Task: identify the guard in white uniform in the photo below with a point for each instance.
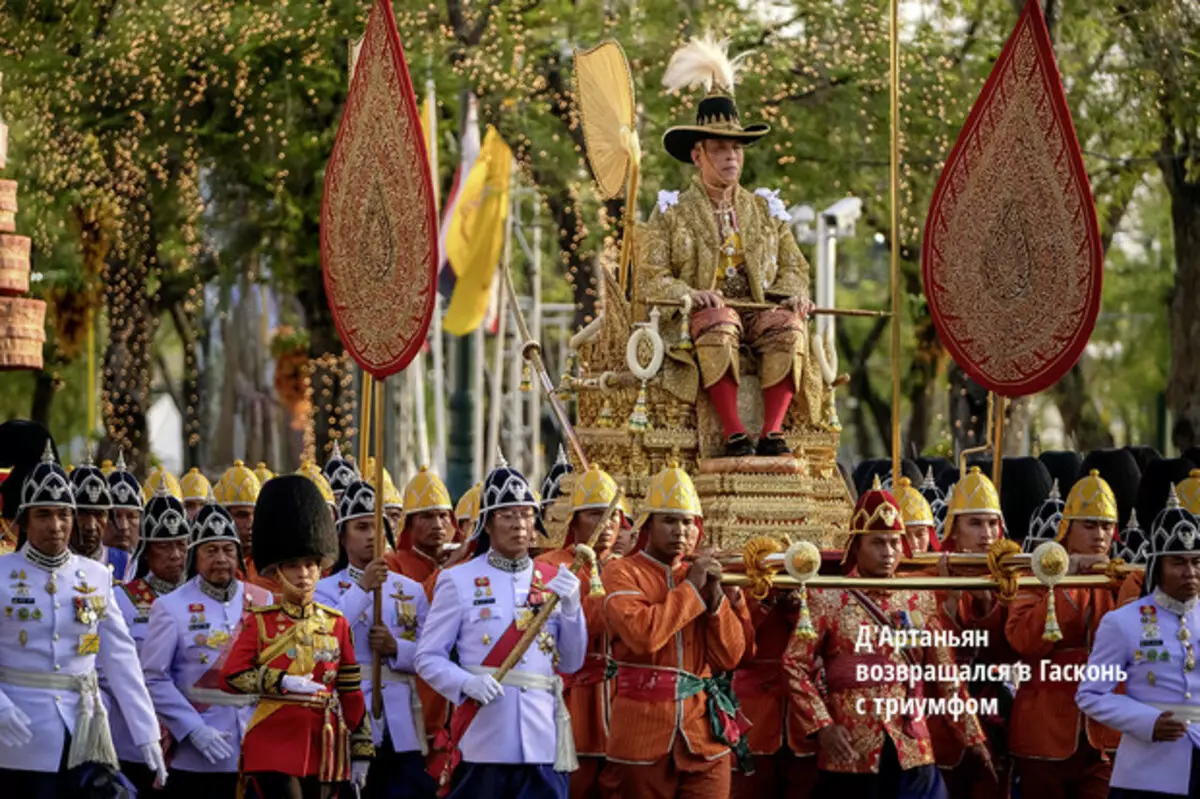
(520, 744)
(188, 630)
(159, 569)
(398, 770)
(124, 521)
(59, 625)
(1154, 641)
(93, 504)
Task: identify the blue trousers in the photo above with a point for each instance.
(509, 781)
(398, 775)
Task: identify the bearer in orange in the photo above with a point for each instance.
(1058, 751)
(872, 733)
(310, 730)
(427, 526)
(674, 627)
(587, 690)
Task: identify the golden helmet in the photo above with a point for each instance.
(160, 476)
(313, 472)
(595, 488)
(671, 491)
(914, 508)
(1189, 492)
(238, 487)
(195, 485)
(426, 491)
(467, 508)
(973, 494)
(1091, 499)
(263, 473)
(391, 495)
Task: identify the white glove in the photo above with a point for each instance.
(294, 684)
(212, 743)
(358, 773)
(566, 585)
(152, 754)
(14, 727)
(483, 688)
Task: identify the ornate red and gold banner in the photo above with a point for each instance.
(1012, 260)
(378, 215)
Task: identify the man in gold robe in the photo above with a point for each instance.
(716, 241)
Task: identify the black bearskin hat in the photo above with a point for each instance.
(291, 520)
(22, 443)
(1157, 481)
(946, 479)
(866, 472)
(1024, 484)
(1119, 469)
(1065, 466)
(938, 464)
(1144, 456)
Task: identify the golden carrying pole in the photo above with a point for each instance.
(364, 418)
(377, 661)
(744, 305)
(961, 582)
(894, 60)
(1000, 404)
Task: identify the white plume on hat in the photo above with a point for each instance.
(703, 62)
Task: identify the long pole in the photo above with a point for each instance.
(501, 330)
(364, 421)
(477, 419)
(894, 70)
(91, 372)
(437, 350)
(998, 441)
(377, 662)
(535, 315)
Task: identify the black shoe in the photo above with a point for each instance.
(773, 444)
(738, 445)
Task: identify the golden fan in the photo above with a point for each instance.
(604, 87)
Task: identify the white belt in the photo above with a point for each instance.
(218, 698)
(414, 703)
(92, 739)
(564, 749)
(1187, 713)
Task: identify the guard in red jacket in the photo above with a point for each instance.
(310, 730)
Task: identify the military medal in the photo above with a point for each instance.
(201, 639)
(23, 614)
(89, 644)
(1150, 678)
(487, 639)
(51, 586)
(23, 637)
(36, 615)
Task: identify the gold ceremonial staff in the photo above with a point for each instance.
(743, 305)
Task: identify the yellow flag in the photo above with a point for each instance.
(475, 237)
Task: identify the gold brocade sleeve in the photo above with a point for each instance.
(807, 709)
(660, 279)
(259, 680)
(793, 276)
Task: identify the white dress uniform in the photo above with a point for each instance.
(188, 629)
(60, 625)
(404, 611)
(331, 589)
(473, 604)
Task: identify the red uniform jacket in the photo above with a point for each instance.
(291, 733)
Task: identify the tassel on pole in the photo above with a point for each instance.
(639, 420)
(804, 626)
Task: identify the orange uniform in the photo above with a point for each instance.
(588, 692)
(1131, 588)
(1053, 742)
(667, 646)
(784, 762)
(969, 778)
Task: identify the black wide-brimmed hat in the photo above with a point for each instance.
(291, 521)
(705, 63)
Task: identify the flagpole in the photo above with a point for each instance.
(535, 291)
(477, 421)
(501, 330)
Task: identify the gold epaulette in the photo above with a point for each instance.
(328, 610)
(264, 608)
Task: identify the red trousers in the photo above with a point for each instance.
(594, 779)
(679, 775)
(778, 776)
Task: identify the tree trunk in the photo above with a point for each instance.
(1183, 382)
(43, 397)
(1081, 419)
